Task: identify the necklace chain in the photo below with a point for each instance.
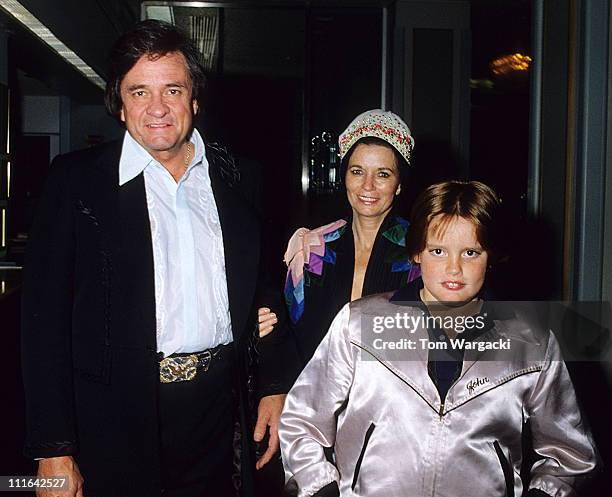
(187, 155)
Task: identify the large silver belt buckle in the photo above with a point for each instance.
(182, 368)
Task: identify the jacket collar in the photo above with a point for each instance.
(485, 369)
(135, 159)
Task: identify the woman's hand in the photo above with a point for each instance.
(266, 320)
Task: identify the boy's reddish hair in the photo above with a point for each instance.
(470, 200)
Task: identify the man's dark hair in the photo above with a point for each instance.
(154, 39)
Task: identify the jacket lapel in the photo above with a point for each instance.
(133, 277)
(137, 258)
(240, 244)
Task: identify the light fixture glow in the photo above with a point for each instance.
(8, 179)
(510, 63)
(25, 17)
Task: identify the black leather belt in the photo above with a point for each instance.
(185, 367)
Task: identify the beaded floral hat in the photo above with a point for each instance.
(380, 124)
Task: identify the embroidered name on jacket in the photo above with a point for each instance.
(475, 383)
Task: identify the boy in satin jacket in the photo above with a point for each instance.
(426, 391)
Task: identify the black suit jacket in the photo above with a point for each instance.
(89, 343)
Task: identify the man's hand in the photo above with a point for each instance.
(266, 320)
(64, 466)
(268, 415)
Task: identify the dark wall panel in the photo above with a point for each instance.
(433, 84)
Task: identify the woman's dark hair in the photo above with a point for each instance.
(400, 162)
(470, 200)
(154, 39)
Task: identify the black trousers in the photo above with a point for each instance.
(197, 428)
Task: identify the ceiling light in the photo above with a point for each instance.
(25, 17)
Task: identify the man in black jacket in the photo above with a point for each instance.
(138, 296)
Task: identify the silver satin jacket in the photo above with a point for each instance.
(392, 437)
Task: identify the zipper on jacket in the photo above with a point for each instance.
(438, 430)
(506, 469)
(361, 454)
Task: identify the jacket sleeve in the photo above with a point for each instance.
(278, 360)
(46, 322)
(560, 436)
(308, 422)
(275, 359)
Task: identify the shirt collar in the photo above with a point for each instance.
(135, 159)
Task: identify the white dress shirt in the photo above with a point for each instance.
(192, 308)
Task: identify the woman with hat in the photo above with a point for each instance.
(357, 256)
